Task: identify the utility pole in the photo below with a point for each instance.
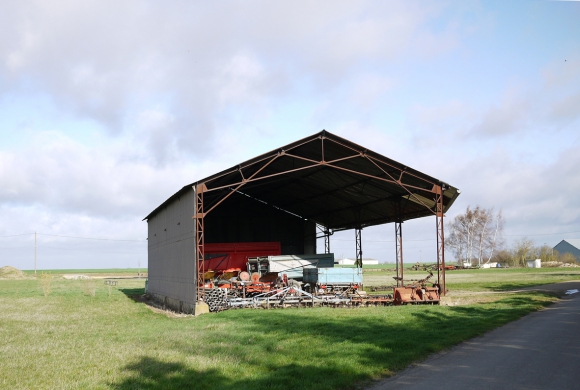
(34, 253)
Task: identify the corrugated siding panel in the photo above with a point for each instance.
(567, 246)
(171, 251)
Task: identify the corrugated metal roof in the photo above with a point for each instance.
(575, 242)
(331, 181)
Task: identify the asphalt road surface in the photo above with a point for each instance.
(538, 351)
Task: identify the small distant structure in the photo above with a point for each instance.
(569, 246)
(489, 265)
(534, 263)
(367, 261)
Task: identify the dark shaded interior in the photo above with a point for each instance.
(243, 219)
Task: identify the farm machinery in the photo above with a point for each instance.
(255, 275)
(417, 292)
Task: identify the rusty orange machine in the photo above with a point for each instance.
(417, 292)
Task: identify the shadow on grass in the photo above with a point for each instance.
(152, 374)
(319, 348)
(530, 286)
(132, 292)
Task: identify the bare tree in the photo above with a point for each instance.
(475, 235)
(546, 253)
(495, 240)
(567, 257)
(523, 248)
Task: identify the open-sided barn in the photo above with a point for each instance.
(320, 183)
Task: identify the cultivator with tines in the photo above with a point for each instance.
(417, 292)
(416, 295)
(293, 296)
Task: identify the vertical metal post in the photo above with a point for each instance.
(399, 250)
(358, 240)
(440, 239)
(199, 241)
(326, 241)
(399, 242)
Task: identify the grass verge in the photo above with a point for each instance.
(71, 340)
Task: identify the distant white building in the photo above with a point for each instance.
(534, 263)
(367, 261)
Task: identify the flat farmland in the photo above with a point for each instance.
(482, 280)
(88, 335)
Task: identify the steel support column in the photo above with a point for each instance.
(440, 240)
(358, 240)
(326, 240)
(399, 242)
(199, 241)
(399, 251)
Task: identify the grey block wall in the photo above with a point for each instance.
(171, 254)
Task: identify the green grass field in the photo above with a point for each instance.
(71, 339)
(99, 271)
(493, 279)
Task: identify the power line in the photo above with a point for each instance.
(16, 235)
(86, 251)
(81, 238)
(336, 239)
(88, 238)
(538, 234)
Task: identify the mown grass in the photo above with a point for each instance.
(89, 271)
(73, 340)
(498, 279)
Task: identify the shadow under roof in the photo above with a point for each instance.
(330, 181)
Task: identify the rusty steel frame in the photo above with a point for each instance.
(440, 240)
(437, 189)
(358, 245)
(399, 251)
(326, 233)
(323, 162)
(326, 241)
(200, 241)
(399, 243)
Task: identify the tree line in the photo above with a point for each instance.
(476, 237)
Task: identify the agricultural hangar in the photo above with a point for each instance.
(322, 183)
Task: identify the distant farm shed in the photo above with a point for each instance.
(366, 261)
(322, 181)
(569, 246)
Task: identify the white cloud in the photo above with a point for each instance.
(109, 61)
(184, 89)
(369, 88)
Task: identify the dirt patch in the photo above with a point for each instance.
(9, 272)
(75, 277)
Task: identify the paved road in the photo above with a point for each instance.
(539, 351)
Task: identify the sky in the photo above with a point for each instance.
(107, 108)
